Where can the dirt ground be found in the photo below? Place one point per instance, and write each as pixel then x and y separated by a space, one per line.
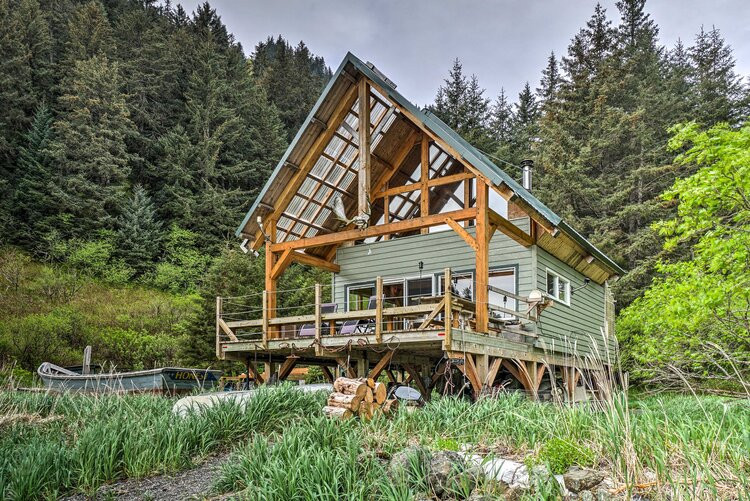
pixel 191 484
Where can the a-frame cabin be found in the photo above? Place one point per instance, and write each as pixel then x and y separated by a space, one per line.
pixel 395 211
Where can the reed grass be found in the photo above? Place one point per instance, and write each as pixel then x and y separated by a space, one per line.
pixel 684 446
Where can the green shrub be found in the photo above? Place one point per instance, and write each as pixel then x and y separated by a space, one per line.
pixel 559 455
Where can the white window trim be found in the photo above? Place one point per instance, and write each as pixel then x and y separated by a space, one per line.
pixel 557 276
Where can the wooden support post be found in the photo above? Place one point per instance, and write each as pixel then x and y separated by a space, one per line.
pixel 417 378
pixel 386 213
pixel 518 370
pixel 318 320
pixel 286 367
pixel 266 318
pixel 448 320
pixel 256 373
pixel 424 177
pixel 382 363
pixel 482 257
pixel 483 367
pixel 492 373
pixel 86 369
pixel 440 372
pixel 365 160
pixel 379 310
pixel 470 370
pixel 391 376
pixel 219 307
pixel 327 373
pixel 467 198
pixel 343 363
pixel 269 306
pixel 362 367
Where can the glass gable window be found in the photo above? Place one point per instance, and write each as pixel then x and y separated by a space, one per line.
pixel 358 296
pixel 558 287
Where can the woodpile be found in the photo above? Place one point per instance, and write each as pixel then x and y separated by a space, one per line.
pixel 363 397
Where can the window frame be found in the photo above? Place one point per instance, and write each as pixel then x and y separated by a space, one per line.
pixel 558 277
pixel 356 285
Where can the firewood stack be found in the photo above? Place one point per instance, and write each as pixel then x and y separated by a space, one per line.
pixel 361 397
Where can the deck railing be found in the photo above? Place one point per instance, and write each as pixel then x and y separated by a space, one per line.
pixel 296 317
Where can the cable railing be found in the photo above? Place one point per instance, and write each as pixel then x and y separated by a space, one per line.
pixel 318 311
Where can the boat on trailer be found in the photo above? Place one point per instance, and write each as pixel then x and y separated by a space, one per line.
pixel 161 380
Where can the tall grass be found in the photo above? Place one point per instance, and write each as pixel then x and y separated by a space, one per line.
pixel 104 438
pixel 681 446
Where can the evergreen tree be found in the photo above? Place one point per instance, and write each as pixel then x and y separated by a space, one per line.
pixel 89 34
pixel 90 153
pixel 550 81
pixel 139 232
pixel 719 90
pixel 450 102
pixel 501 119
pixel 461 104
pixel 525 129
pixel 292 79
pixel 32 209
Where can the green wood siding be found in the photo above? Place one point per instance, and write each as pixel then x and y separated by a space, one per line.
pixel 573 329
pixel 400 257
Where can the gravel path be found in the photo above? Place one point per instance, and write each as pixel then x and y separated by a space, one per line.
pixel 191 484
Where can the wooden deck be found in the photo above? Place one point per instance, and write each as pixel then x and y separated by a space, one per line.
pixel 420 340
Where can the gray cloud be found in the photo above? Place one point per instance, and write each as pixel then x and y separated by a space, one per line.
pixel 505 43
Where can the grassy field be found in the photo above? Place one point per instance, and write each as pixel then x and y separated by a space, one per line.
pixel 283 448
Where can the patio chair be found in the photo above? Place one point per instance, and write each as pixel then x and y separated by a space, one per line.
pixel 361 325
pixel 308 330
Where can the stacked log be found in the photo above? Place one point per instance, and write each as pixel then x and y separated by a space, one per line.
pixel 361 397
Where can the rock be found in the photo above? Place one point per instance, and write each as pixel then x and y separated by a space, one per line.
pixel 582 479
pixel 402 462
pixel 448 469
pixel 603 495
pixel 586 496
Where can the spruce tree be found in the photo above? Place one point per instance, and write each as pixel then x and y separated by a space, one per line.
pixel 292 79
pixel 32 206
pixel 450 102
pixel 501 119
pixel 139 232
pixel 525 130
pixel 550 81
pixel 719 89
pixel 91 157
pixel 89 34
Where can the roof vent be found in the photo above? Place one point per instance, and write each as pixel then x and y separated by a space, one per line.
pixel 528 168
pixel 379 73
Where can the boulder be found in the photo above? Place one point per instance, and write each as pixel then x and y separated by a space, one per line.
pixel 402 462
pixel 582 479
pixel 448 469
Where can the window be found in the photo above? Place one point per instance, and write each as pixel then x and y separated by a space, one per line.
pixel 463 285
pixel 417 288
pixel 358 296
pixel 558 287
pixel 505 280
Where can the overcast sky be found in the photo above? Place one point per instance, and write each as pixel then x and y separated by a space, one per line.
pixel 504 42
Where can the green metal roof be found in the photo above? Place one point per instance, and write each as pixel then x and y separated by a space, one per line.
pixel 469 153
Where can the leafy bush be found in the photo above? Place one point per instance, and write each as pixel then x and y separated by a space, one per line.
pixel 560 454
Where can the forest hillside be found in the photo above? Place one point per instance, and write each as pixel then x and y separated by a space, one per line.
pixel 134 136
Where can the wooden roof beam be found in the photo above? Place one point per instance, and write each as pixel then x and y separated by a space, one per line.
pixel 308 161
pixel 375 231
pixel 510 229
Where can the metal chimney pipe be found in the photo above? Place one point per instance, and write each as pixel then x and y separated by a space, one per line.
pixel 528 168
